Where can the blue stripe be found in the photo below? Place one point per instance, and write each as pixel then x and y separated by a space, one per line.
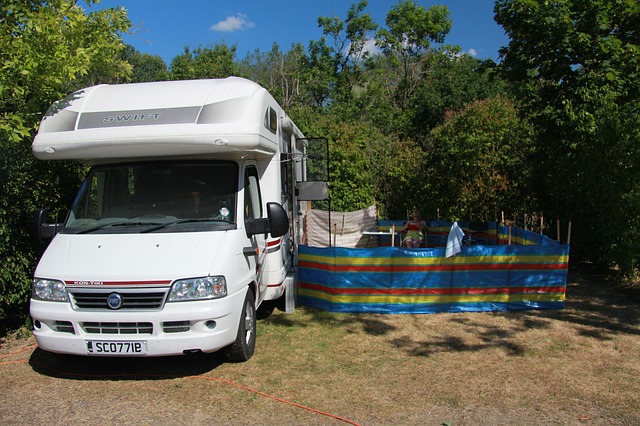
pixel 482 279
pixel 431 308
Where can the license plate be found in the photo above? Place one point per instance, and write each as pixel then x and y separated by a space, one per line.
pixel 99 347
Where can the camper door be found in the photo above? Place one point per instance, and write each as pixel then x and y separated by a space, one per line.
pixel 253 210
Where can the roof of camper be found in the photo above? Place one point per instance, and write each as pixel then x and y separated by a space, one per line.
pixel 160 119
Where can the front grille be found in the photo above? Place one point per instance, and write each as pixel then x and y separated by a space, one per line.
pixel 64 327
pixel 118 327
pixel 98 300
pixel 176 326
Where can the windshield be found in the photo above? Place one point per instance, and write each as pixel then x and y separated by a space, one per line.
pixel 175 196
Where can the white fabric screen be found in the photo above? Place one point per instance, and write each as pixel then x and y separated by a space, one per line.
pixel 346 227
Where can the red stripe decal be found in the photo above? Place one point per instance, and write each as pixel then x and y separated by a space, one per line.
pixel 114 283
pixel 434 291
pixel 274 242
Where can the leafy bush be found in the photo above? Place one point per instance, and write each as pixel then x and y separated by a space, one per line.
pixel 479 163
pixel 47 49
pixel 366 166
pixel 574 66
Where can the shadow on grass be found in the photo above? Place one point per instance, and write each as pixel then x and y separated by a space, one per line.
pixel 373 324
pixel 477 336
pixel 601 309
pixel 76 367
pixel 594 308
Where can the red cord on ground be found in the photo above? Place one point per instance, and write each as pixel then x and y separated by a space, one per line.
pixel 22 361
pixel 20 351
pixel 213 379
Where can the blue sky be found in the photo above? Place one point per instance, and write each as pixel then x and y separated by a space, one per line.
pixel 166 27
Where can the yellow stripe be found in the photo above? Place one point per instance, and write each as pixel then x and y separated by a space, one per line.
pixel 519 240
pixel 445 230
pixel 424 299
pixel 382 261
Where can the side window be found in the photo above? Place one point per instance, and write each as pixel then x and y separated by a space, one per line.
pixel 286 161
pixel 95 199
pixel 271 120
pixel 252 197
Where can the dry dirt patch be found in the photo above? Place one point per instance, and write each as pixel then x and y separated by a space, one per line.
pixel 579 365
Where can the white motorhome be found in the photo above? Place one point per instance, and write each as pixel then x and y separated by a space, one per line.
pixel 185 224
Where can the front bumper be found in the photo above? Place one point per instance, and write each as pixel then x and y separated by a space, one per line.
pixel 176 329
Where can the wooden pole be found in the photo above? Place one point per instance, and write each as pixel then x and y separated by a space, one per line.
pixel 525 221
pixel 569 234
pixel 393 235
pixel 335 231
pixel 509 234
pixel 558 230
pixel 305 224
pixel 541 224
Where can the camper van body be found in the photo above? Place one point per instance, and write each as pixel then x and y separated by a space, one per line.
pixel 168 247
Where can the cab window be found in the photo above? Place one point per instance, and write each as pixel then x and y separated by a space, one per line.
pixel 252 196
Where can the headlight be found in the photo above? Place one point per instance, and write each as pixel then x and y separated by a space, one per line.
pixel 198 288
pixel 52 290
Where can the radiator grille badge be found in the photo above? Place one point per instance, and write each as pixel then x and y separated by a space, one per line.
pixel 114 301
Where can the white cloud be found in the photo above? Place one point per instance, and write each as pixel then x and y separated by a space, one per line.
pixel 473 52
pixel 370 46
pixel 233 23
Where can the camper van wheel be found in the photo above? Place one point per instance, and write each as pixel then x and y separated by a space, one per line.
pixel 266 308
pixel 242 349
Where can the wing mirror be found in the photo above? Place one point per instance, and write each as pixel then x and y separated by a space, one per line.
pixel 276 223
pixel 40 231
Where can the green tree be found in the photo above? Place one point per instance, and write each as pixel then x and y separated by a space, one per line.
pixel 351 38
pixel 280 72
pixel 47 50
pixel 479 161
pixel 145 67
pixel 575 67
pixel 407 42
pixel 320 73
pixel 366 166
pixel 205 62
pixel 450 82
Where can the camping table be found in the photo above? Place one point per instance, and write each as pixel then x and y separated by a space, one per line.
pixel 370 234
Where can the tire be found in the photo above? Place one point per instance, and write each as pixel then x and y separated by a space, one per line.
pixel 244 346
pixel 266 308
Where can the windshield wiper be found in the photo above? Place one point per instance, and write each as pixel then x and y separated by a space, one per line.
pixel 179 221
pixel 123 223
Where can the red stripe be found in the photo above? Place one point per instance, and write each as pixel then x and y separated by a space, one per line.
pixel 433 291
pixel 436 268
pixel 274 242
pixel 275 285
pixel 90 283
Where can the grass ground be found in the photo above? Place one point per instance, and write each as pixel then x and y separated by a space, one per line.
pixel 578 365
